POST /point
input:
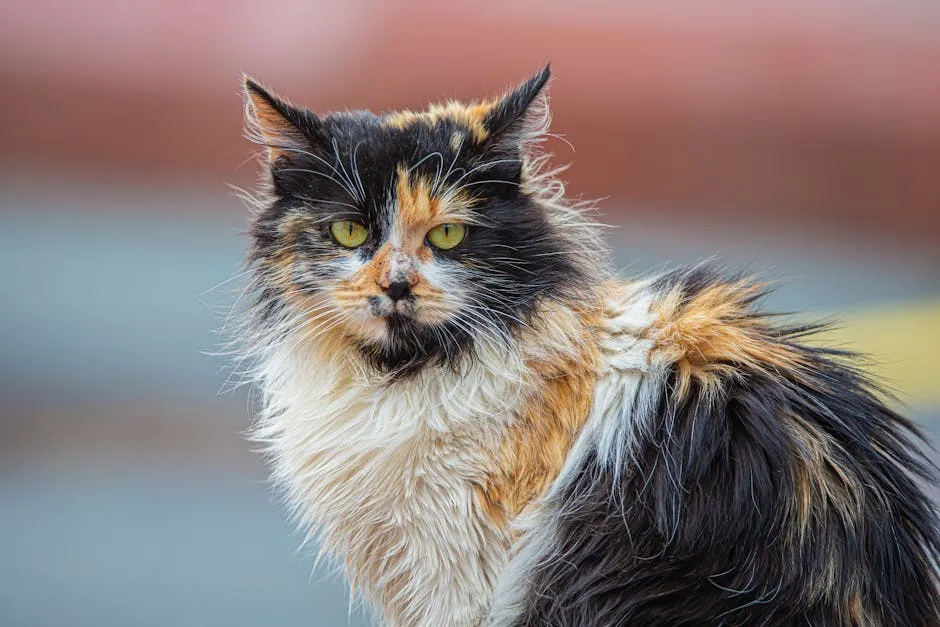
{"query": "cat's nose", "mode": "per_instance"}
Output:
(397, 290)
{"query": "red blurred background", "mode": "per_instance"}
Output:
(808, 112)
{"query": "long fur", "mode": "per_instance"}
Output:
(526, 441)
(770, 489)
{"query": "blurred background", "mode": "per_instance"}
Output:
(797, 138)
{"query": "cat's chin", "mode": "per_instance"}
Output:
(385, 324)
(401, 322)
(378, 329)
(398, 317)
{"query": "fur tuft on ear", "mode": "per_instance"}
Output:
(276, 124)
(522, 114)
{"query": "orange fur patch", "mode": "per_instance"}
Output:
(470, 116)
(420, 209)
(712, 333)
(368, 280)
(541, 437)
(858, 610)
(709, 335)
(417, 208)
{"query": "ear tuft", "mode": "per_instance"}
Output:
(273, 122)
(524, 110)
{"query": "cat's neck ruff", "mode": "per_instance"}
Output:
(389, 474)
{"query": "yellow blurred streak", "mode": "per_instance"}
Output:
(903, 343)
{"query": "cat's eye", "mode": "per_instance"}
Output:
(446, 236)
(348, 233)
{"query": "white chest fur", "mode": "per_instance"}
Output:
(384, 475)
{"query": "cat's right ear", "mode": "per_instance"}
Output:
(271, 121)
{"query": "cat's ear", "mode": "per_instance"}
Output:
(522, 114)
(276, 124)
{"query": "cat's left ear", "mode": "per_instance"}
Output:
(522, 114)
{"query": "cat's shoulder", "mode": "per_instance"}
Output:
(697, 317)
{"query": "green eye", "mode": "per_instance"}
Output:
(446, 236)
(348, 233)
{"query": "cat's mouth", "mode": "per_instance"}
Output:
(399, 310)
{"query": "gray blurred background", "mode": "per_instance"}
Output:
(798, 139)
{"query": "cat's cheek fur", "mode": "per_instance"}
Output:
(442, 292)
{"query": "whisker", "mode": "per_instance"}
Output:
(330, 202)
(482, 166)
(345, 173)
(472, 183)
(228, 280)
(425, 158)
(450, 167)
(355, 169)
(318, 158)
(324, 175)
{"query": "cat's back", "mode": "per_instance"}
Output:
(727, 474)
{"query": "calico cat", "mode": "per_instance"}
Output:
(466, 408)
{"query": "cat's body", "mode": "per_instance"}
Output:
(488, 429)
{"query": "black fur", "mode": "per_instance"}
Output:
(704, 526)
(515, 255)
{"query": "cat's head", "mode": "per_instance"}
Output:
(413, 237)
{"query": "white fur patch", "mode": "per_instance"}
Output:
(383, 474)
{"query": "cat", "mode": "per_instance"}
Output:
(465, 407)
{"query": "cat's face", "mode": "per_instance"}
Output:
(411, 237)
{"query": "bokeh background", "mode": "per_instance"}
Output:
(797, 138)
